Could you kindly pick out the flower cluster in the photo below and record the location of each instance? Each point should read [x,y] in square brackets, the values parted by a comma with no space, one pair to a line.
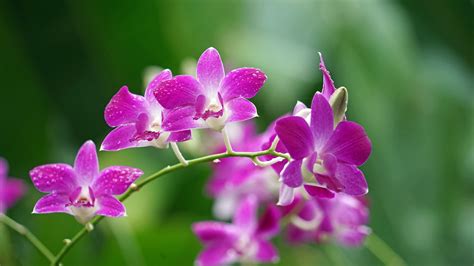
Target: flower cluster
[301,176]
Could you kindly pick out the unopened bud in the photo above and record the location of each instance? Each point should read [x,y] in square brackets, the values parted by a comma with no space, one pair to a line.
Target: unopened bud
[89,227]
[338,102]
[134,187]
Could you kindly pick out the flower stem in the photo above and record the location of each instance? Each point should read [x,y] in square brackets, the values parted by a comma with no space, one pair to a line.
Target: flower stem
[383,251]
[177,152]
[168,169]
[227,143]
[22,230]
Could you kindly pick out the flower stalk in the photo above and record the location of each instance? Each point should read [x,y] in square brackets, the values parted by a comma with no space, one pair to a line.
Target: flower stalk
[22,230]
[177,152]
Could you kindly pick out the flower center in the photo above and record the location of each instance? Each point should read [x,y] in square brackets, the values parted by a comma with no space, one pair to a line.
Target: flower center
[82,204]
[82,197]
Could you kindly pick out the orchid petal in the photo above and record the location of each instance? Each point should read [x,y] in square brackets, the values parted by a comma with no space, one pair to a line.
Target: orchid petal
[52,203]
[216,255]
[177,92]
[54,178]
[240,109]
[299,106]
[266,252]
[210,69]
[110,206]
[349,143]
[322,120]
[211,232]
[269,223]
[245,215]
[182,119]
[353,236]
[352,179]
[123,108]
[242,82]
[162,76]
[15,188]
[330,163]
[291,174]
[287,194]
[86,164]
[115,180]
[180,136]
[120,138]
[320,192]
[296,135]
[328,84]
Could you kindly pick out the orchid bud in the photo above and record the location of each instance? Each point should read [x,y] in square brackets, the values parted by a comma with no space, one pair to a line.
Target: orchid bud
[338,102]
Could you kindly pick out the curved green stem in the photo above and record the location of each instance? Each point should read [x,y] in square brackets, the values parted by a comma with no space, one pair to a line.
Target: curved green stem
[383,251]
[20,229]
[162,172]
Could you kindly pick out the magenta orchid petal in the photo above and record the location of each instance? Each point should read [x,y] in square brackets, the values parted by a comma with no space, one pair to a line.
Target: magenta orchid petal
[110,206]
[328,83]
[269,223]
[181,119]
[266,252]
[180,136]
[353,237]
[177,92]
[322,120]
[86,164]
[54,178]
[210,69]
[291,174]
[317,191]
[349,143]
[13,190]
[352,179]
[115,180]
[296,135]
[330,163]
[211,232]
[52,203]
[240,109]
[200,105]
[242,82]
[216,255]
[143,120]
[245,214]
[120,138]
[286,196]
[153,85]
[123,108]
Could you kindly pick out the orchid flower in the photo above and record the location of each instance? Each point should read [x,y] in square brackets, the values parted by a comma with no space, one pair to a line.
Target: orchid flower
[245,240]
[212,99]
[235,178]
[83,191]
[11,189]
[342,218]
[330,154]
[138,119]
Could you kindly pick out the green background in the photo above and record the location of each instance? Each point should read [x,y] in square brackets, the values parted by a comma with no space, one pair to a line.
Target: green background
[408,67]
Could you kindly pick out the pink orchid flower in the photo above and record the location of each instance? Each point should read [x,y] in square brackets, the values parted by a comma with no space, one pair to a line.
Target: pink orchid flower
[83,191]
[245,240]
[11,189]
[138,119]
[211,100]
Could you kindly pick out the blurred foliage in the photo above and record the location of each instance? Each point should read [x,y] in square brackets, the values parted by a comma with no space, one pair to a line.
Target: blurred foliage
[408,67]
